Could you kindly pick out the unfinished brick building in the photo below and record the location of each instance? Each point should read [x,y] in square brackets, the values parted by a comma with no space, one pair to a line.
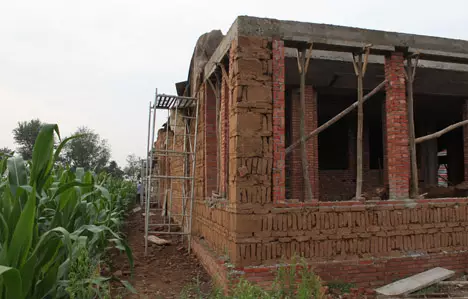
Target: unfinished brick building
[268,82]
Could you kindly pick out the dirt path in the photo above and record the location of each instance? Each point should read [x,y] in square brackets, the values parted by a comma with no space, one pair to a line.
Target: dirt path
[165,272]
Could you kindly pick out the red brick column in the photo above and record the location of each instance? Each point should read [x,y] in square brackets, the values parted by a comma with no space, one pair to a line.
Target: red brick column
[311,120]
[279,171]
[398,159]
[211,150]
[224,140]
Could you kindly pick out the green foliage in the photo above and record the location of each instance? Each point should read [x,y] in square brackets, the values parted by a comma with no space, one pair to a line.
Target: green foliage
[89,151]
[294,281]
[340,287]
[25,135]
[114,170]
[52,219]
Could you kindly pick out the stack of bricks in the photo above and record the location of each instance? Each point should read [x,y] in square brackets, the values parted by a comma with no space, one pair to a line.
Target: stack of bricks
[396,127]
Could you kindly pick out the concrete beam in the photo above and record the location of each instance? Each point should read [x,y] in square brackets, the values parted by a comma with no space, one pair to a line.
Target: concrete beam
[437,52]
[322,33]
[221,51]
[346,57]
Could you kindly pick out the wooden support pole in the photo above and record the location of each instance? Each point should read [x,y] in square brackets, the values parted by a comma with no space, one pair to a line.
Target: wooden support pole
[336,117]
[360,131]
[359,69]
[441,132]
[305,162]
[410,73]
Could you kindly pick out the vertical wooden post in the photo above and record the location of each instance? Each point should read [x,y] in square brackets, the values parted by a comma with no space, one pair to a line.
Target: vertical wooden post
[410,72]
[360,70]
[305,163]
[360,129]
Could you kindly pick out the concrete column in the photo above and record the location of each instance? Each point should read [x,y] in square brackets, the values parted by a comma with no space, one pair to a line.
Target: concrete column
[398,159]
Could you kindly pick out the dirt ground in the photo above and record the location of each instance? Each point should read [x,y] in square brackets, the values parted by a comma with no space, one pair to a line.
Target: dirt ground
[165,272]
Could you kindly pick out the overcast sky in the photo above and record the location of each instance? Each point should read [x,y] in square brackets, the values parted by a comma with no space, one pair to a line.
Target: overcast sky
[97,63]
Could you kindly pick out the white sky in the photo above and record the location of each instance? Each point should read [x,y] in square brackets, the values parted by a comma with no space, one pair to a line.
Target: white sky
[97,63]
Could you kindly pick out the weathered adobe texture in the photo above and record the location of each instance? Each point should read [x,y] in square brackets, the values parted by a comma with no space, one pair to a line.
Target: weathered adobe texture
[209,223]
[255,228]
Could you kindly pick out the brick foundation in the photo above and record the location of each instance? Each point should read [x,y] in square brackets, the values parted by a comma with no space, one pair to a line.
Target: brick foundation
[369,245]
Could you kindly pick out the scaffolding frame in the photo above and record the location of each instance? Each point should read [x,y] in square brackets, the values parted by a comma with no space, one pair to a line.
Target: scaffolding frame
[177,104]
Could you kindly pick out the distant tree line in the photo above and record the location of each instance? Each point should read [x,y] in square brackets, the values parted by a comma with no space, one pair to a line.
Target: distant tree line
[88,150]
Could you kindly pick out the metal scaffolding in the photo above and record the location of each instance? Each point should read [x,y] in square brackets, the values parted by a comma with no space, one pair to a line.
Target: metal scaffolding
[182,122]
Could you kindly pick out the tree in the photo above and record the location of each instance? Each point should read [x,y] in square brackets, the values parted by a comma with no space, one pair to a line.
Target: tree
[113,169]
[88,150]
[25,135]
[133,168]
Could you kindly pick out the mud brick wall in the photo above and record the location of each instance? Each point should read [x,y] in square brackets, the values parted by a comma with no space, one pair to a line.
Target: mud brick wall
[210,223]
[350,231]
[250,142]
[160,186]
[278,127]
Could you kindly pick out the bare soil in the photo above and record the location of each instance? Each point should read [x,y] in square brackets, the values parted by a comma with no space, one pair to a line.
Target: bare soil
[165,272]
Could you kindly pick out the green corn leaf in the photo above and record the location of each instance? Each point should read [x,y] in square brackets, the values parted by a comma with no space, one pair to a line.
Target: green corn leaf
[17,174]
[42,158]
[12,280]
[23,234]
[4,230]
[47,285]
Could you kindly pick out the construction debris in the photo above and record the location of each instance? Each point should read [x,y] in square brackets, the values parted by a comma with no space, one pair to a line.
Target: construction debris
[158,241]
[137,209]
[415,282]
[151,214]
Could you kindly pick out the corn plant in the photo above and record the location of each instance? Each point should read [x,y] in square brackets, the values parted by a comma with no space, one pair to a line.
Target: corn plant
[46,212]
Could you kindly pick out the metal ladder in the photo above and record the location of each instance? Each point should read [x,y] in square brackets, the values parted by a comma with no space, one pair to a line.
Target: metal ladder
[180,147]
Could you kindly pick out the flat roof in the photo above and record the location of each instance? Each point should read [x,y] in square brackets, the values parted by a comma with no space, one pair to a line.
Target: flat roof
[341,39]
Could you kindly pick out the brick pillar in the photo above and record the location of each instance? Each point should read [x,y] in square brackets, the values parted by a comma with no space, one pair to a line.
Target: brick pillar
[211,150]
[224,140]
[465,141]
[398,159]
[279,171]
[298,189]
